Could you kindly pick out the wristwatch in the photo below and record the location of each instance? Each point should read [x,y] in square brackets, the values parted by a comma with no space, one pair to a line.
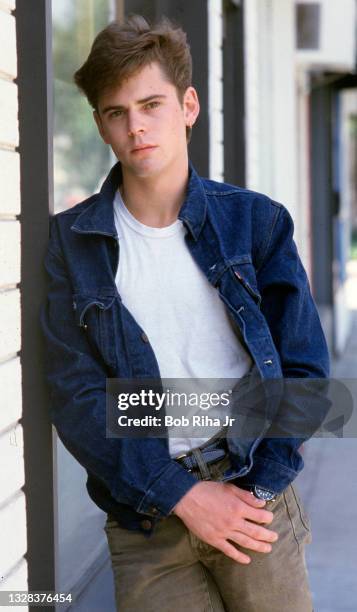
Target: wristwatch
[261,493]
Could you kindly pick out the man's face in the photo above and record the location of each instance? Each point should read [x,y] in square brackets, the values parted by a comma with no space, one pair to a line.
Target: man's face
[144,122]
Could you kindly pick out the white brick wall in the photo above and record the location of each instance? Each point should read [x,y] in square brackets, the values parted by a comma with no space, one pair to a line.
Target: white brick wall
[13,533]
[16,580]
[8,45]
[12,475]
[7,5]
[10,334]
[9,132]
[13,566]
[10,237]
[10,385]
[10,183]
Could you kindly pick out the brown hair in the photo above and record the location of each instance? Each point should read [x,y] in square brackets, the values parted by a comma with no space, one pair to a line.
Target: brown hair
[121,49]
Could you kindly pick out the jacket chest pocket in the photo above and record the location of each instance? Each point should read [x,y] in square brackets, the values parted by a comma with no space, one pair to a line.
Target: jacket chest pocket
[96,315]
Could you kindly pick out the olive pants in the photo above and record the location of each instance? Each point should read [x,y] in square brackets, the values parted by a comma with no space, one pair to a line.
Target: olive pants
[174,571]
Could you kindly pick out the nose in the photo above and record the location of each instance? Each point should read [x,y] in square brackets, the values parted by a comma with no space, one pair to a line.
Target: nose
[135,124]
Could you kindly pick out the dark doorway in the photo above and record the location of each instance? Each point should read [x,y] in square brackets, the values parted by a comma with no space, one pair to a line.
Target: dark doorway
[233,93]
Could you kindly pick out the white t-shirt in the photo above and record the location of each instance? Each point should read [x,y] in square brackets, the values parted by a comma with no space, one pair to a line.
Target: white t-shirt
[180,311]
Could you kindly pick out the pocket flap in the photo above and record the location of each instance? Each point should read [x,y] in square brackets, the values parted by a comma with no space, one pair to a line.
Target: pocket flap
[82,302]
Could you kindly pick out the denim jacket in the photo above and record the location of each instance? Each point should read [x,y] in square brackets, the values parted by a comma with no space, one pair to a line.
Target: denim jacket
[243,243]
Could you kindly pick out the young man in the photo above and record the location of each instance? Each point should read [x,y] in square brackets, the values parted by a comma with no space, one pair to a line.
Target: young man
[165,274]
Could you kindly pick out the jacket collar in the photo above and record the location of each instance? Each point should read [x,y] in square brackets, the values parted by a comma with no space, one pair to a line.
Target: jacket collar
[98,218]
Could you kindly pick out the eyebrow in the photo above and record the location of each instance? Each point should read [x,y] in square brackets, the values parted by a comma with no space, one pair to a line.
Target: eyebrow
[106,109]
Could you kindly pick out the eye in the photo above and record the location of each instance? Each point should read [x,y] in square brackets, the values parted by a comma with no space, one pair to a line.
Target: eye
[116,113]
[152,104]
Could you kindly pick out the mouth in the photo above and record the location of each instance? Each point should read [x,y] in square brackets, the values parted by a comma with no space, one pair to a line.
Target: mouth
[142,148]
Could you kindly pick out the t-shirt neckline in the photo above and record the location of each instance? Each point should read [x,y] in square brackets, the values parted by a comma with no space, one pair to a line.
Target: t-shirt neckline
[145,230]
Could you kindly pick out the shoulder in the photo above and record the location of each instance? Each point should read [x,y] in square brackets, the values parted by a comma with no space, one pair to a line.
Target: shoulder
[246,217]
[242,204]
[60,223]
[225,193]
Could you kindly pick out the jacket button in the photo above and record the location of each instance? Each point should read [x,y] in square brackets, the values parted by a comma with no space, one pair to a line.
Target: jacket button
[144,337]
[146,524]
[154,511]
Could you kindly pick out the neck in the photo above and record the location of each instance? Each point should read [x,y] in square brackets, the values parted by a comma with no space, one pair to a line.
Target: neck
[156,200]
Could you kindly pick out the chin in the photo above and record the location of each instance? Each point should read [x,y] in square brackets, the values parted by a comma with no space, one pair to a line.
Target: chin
[147,170]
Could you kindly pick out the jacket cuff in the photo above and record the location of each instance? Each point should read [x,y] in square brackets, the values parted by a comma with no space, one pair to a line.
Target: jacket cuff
[163,495]
[268,474]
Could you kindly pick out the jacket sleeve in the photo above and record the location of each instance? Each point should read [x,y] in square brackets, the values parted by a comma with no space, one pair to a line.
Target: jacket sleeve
[137,472]
[290,311]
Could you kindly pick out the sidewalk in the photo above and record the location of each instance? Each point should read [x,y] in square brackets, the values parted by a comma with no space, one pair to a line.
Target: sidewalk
[328,487]
[99,595]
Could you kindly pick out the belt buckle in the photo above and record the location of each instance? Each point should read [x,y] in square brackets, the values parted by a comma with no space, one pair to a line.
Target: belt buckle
[182,456]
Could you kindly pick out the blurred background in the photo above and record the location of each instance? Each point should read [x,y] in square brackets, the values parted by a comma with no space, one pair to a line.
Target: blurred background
[277,81]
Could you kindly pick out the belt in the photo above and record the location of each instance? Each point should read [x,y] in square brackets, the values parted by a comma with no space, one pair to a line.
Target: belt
[210,453]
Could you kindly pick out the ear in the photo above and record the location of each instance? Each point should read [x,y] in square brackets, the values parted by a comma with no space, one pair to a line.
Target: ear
[191,106]
[100,127]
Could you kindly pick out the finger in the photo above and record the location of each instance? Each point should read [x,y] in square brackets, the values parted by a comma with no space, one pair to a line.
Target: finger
[256,532]
[248,497]
[231,551]
[243,540]
[258,515]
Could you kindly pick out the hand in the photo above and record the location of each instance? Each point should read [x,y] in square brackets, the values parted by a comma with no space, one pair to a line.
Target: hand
[217,512]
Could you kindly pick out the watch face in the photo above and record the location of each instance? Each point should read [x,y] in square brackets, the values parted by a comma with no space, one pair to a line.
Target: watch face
[264,494]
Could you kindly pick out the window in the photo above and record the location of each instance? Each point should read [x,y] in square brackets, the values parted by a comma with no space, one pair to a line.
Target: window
[80,157]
